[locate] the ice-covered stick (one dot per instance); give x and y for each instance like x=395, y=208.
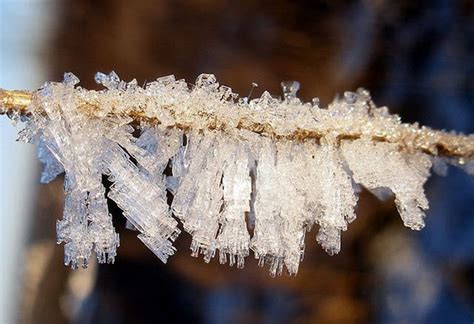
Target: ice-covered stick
x=381, y=128
x=277, y=165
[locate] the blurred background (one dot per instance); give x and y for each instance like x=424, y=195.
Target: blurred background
x=416, y=57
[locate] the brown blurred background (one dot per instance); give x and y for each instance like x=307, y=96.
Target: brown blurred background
x=414, y=56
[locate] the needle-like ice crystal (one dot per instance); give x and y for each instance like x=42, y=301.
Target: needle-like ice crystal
x=242, y=175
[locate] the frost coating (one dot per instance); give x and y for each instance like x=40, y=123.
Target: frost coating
x=233, y=167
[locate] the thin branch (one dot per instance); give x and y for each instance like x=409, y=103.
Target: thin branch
x=409, y=137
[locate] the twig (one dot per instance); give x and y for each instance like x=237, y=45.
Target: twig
x=409, y=137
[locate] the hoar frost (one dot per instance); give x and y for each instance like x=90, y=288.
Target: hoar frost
x=226, y=181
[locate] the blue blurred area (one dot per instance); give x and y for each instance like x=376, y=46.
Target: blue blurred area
x=433, y=66
x=232, y=304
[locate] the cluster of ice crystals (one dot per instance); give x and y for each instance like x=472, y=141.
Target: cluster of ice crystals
x=234, y=239
x=337, y=198
x=65, y=142
x=239, y=177
x=381, y=165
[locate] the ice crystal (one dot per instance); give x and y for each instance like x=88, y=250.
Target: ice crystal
x=403, y=174
x=233, y=167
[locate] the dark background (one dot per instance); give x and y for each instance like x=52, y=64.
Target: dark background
x=416, y=57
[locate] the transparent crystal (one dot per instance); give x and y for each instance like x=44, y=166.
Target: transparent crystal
x=381, y=165
x=51, y=166
x=111, y=81
x=233, y=239
x=70, y=79
x=290, y=88
x=333, y=195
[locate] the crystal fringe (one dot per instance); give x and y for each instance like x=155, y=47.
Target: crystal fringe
x=225, y=185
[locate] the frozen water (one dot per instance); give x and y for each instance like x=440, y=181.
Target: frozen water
x=279, y=166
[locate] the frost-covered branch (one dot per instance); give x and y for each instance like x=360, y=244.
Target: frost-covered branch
x=278, y=166
x=209, y=106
